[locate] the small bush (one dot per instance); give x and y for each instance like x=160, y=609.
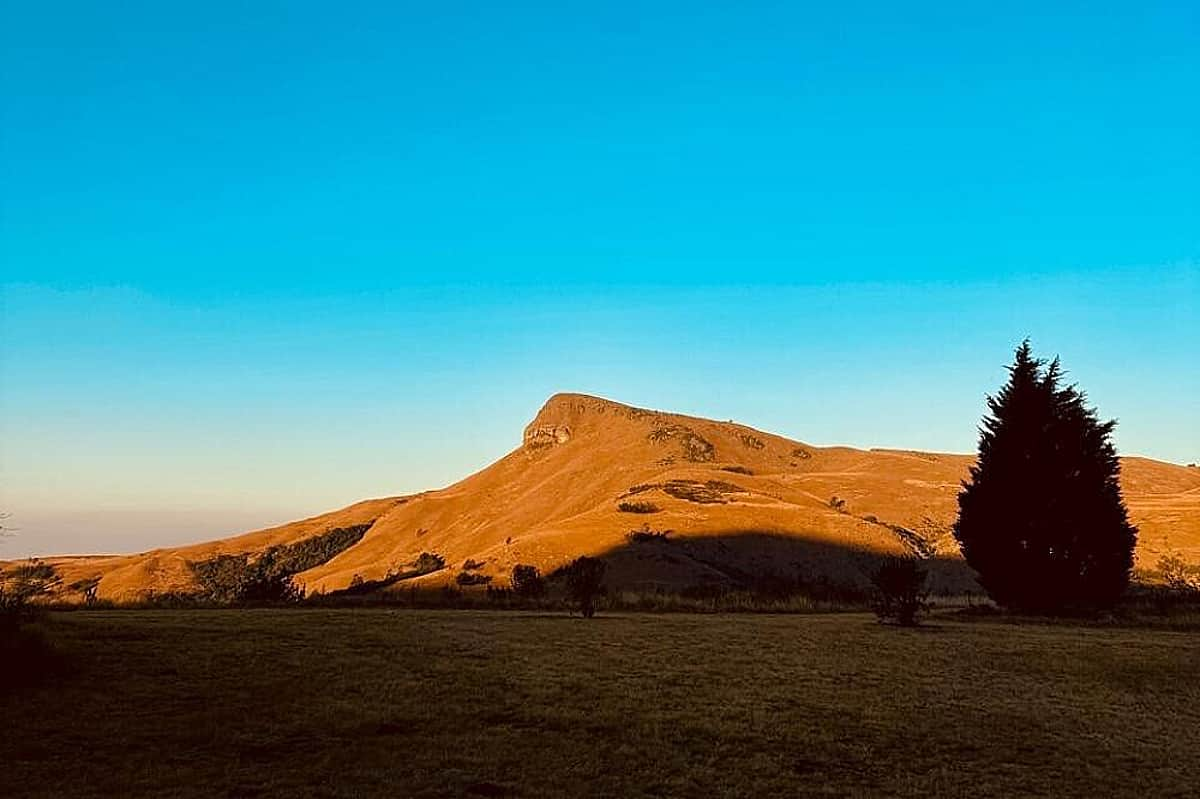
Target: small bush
x=1177, y=575
x=751, y=441
x=527, y=581
x=24, y=584
x=472, y=565
x=428, y=563
x=471, y=578
x=899, y=590
x=1179, y=587
x=646, y=535
x=711, y=492
x=638, y=507
x=736, y=469
x=693, y=447
x=838, y=504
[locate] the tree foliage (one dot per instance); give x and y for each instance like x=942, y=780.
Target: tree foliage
x=527, y=581
x=24, y=584
x=584, y=578
x=267, y=577
x=1041, y=518
x=899, y=590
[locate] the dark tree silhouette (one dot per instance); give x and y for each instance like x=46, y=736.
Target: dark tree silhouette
x=584, y=576
x=527, y=581
x=1041, y=518
x=899, y=590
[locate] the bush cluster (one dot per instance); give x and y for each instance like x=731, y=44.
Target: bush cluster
x=527, y=581
x=647, y=535
x=899, y=590
x=268, y=577
x=584, y=578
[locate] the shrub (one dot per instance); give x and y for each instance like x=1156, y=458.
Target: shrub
x=1177, y=575
x=472, y=565
x=26, y=583
x=710, y=492
x=1041, y=518
x=899, y=590
x=527, y=581
x=693, y=447
x=638, y=507
x=838, y=504
x=427, y=563
x=21, y=587
x=751, y=441
x=646, y=535
x=471, y=578
x=1179, y=585
x=736, y=469
x=584, y=577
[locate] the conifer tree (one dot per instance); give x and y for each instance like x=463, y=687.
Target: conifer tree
x=1041, y=519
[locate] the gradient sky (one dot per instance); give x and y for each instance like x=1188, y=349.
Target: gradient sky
x=261, y=260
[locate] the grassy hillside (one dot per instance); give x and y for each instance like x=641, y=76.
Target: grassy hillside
x=343, y=703
x=739, y=503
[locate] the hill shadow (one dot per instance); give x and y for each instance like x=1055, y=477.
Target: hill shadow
x=762, y=562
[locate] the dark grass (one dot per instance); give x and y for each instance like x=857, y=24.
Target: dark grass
x=321, y=702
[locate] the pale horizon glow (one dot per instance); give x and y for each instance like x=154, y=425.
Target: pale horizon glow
x=258, y=266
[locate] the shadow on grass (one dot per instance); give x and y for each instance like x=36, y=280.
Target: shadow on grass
x=762, y=563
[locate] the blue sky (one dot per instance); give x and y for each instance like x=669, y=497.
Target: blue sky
x=263, y=262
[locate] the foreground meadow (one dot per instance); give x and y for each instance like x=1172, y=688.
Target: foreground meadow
x=440, y=703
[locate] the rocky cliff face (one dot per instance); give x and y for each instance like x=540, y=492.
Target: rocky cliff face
x=546, y=436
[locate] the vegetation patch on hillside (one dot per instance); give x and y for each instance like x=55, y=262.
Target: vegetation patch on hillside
x=268, y=576
x=751, y=441
x=638, y=507
x=708, y=492
x=692, y=446
x=647, y=535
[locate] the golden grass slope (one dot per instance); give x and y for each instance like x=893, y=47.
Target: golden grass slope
x=129, y=578
x=737, y=501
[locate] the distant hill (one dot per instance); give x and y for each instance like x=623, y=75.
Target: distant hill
x=600, y=478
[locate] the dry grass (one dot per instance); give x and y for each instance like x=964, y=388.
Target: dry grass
x=429, y=703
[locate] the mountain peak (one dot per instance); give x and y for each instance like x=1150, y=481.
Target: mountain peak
x=565, y=413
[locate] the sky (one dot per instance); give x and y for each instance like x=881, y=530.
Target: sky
x=259, y=261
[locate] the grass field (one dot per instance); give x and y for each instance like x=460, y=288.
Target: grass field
x=445, y=703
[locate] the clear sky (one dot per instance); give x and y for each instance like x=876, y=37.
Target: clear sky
x=261, y=260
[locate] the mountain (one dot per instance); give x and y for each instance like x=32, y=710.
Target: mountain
x=729, y=504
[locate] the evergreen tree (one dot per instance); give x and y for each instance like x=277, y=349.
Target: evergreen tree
x=1041, y=518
